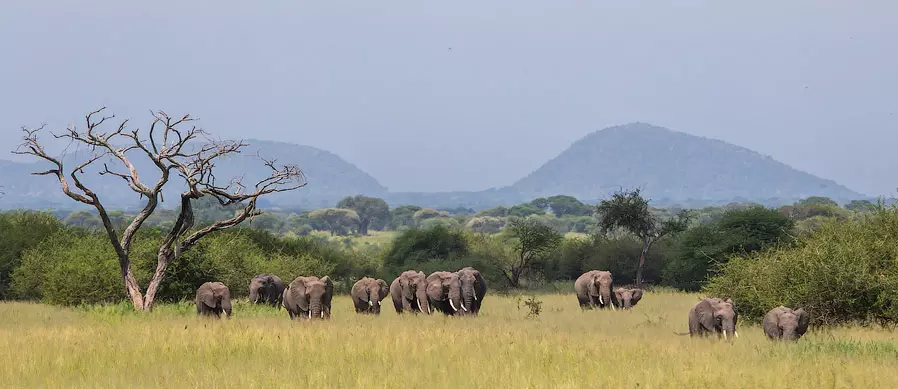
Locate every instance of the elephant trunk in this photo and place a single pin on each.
(374, 302)
(253, 295)
(315, 310)
(226, 307)
(423, 303)
(729, 330)
(469, 296)
(789, 333)
(605, 296)
(455, 299)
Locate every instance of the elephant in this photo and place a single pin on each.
(594, 290)
(213, 298)
(473, 289)
(367, 294)
(783, 323)
(266, 288)
(309, 297)
(713, 315)
(444, 292)
(627, 298)
(409, 292)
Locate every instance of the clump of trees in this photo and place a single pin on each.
(846, 271)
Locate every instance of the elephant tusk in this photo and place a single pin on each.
(421, 306)
(452, 305)
(322, 314)
(725, 335)
(736, 334)
(612, 307)
(601, 301)
(475, 296)
(378, 303)
(370, 303)
(463, 305)
(310, 314)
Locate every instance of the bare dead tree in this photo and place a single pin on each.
(165, 143)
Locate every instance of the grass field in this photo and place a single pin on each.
(46, 347)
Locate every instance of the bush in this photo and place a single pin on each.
(619, 254)
(843, 272)
(698, 250)
(20, 231)
(427, 250)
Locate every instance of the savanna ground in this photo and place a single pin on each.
(110, 347)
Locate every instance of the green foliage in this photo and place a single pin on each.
(861, 206)
(567, 205)
(486, 224)
(702, 248)
(499, 211)
(527, 241)
(338, 220)
(428, 250)
(20, 231)
(403, 216)
(618, 254)
(524, 210)
(369, 210)
(844, 271)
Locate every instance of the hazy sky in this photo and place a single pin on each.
(813, 83)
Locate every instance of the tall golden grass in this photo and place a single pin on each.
(47, 347)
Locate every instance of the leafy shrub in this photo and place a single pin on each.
(20, 231)
(843, 272)
(618, 254)
(698, 250)
(417, 248)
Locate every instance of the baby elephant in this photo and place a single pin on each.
(627, 298)
(367, 294)
(213, 298)
(783, 323)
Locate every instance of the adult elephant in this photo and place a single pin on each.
(713, 315)
(594, 289)
(309, 297)
(627, 298)
(213, 298)
(444, 292)
(473, 289)
(409, 292)
(783, 323)
(266, 288)
(367, 294)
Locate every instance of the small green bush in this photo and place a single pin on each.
(845, 271)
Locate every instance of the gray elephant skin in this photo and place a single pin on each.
(473, 289)
(594, 290)
(627, 298)
(444, 292)
(409, 292)
(266, 289)
(713, 315)
(783, 323)
(309, 298)
(367, 295)
(213, 298)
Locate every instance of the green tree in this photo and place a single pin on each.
(368, 208)
(742, 231)
(19, 232)
(403, 216)
(499, 211)
(338, 220)
(486, 224)
(860, 206)
(629, 211)
(568, 205)
(428, 250)
(524, 210)
(530, 241)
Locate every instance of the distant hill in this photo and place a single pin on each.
(329, 179)
(671, 166)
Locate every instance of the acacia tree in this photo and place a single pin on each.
(337, 219)
(531, 240)
(367, 208)
(628, 210)
(176, 148)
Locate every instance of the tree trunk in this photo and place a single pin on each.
(162, 261)
(132, 288)
(642, 255)
(515, 278)
(363, 227)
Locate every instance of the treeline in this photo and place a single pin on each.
(838, 261)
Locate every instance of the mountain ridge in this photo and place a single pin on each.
(671, 167)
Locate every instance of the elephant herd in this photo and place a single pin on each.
(595, 290)
(452, 293)
(462, 293)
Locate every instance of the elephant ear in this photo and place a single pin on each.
(384, 288)
(328, 289)
(704, 312)
(209, 296)
(298, 293)
(637, 295)
(592, 286)
(619, 295)
(771, 322)
(803, 320)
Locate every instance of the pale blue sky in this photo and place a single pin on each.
(813, 83)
